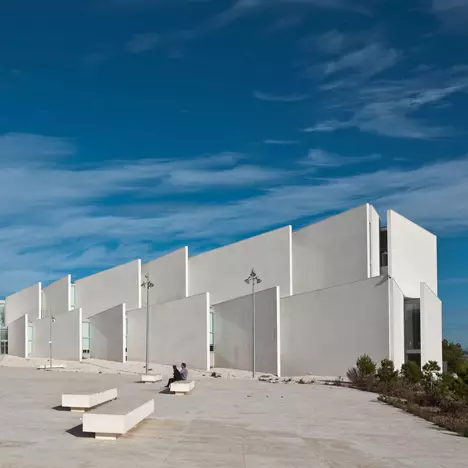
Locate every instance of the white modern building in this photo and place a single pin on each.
(330, 292)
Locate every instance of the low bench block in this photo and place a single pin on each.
(182, 387)
(83, 402)
(150, 378)
(114, 420)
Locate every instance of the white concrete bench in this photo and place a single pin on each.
(83, 402)
(182, 387)
(150, 378)
(54, 366)
(115, 419)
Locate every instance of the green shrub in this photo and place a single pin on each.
(365, 366)
(386, 372)
(363, 375)
(411, 372)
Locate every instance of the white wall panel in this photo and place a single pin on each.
(18, 337)
(331, 252)
(107, 331)
(374, 242)
(397, 324)
(431, 326)
(169, 275)
(179, 332)
(109, 288)
(26, 301)
(323, 332)
(233, 332)
(412, 255)
(66, 336)
(56, 297)
(222, 271)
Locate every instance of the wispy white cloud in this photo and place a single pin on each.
(331, 42)
(392, 108)
(453, 14)
(280, 142)
(370, 60)
(142, 43)
(280, 98)
(320, 158)
(327, 126)
(64, 222)
(32, 147)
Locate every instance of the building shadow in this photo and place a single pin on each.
(60, 408)
(77, 431)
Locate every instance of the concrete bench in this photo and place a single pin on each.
(84, 402)
(182, 387)
(150, 378)
(54, 366)
(115, 419)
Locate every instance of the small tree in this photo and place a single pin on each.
(431, 375)
(454, 355)
(411, 372)
(366, 366)
(362, 376)
(387, 373)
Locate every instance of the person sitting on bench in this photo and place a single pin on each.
(184, 371)
(176, 377)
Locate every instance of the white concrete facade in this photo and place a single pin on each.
(109, 288)
(56, 297)
(169, 274)
(330, 291)
(431, 326)
(26, 301)
(233, 331)
(107, 337)
(412, 255)
(179, 332)
(323, 332)
(396, 323)
(65, 331)
(332, 252)
(18, 337)
(222, 271)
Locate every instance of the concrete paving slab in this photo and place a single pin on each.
(225, 423)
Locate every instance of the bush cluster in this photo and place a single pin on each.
(429, 393)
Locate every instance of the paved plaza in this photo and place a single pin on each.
(223, 423)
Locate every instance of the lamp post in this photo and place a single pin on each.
(51, 321)
(253, 279)
(147, 284)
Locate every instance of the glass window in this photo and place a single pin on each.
(30, 338)
(211, 330)
(85, 338)
(2, 314)
(412, 324)
(72, 296)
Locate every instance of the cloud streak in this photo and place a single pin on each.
(73, 218)
(320, 158)
(140, 43)
(280, 98)
(392, 108)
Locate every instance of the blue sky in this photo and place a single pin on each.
(131, 127)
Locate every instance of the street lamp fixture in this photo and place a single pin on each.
(52, 320)
(147, 285)
(253, 279)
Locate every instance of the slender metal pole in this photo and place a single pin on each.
(253, 330)
(147, 320)
(50, 343)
